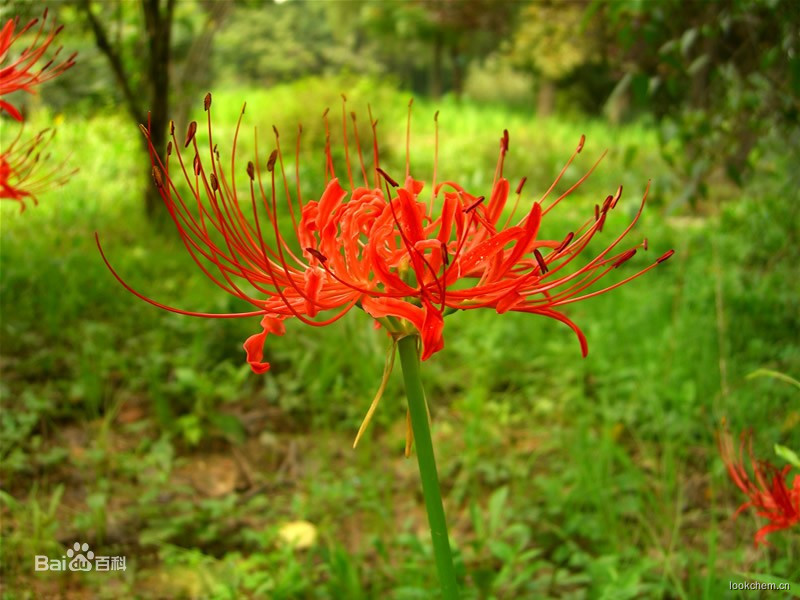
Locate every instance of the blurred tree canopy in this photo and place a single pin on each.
(137, 41)
(426, 44)
(554, 41)
(150, 57)
(721, 78)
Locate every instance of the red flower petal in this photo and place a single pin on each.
(254, 345)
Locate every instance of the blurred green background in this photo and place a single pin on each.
(145, 434)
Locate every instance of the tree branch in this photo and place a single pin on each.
(101, 39)
(197, 59)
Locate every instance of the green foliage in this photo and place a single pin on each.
(143, 432)
(722, 77)
(546, 36)
(284, 42)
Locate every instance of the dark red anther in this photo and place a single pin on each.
(207, 102)
(445, 255)
(504, 141)
(540, 259)
(317, 254)
(436, 116)
(190, 133)
(410, 102)
(251, 170)
(601, 223)
(171, 127)
(353, 116)
(169, 148)
(196, 164)
(299, 128)
(344, 98)
(475, 204)
(157, 176)
(275, 130)
(565, 243)
(215, 150)
(271, 162)
(214, 183)
(596, 213)
(325, 114)
(626, 256)
(385, 175)
(244, 107)
(521, 185)
(580, 144)
(644, 243)
(665, 256)
(607, 203)
(617, 196)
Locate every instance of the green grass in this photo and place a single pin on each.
(144, 433)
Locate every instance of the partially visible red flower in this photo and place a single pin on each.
(767, 492)
(22, 72)
(26, 169)
(375, 243)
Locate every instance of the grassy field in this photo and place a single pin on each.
(144, 433)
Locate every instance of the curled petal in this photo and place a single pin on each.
(497, 201)
(394, 307)
(331, 198)
(313, 285)
(254, 345)
(428, 321)
(432, 328)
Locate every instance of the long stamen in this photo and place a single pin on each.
(358, 147)
(271, 271)
(344, 135)
(661, 259)
(575, 186)
(376, 158)
(498, 170)
(297, 167)
(435, 157)
(233, 152)
(189, 313)
(408, 139)
(329, 170)
(283, 176)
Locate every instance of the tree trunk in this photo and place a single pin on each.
(617, 107)
(458, 70)
(195, 73)
(155, 108)
(436, 67)
(547, 98)
(159, 28)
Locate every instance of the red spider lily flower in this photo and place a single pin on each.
(769, 493)
(21, 73)
(371, 242)
(26, 169)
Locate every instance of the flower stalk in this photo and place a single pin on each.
(409, 360)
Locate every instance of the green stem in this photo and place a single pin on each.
(409, 359)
